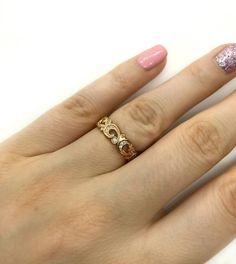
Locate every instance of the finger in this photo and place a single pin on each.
(201, 226)
(179, 158)
(146, 118)
(77, 115)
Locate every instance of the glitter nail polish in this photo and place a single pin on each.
(226, 59)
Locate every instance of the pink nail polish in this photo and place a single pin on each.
(152, 57)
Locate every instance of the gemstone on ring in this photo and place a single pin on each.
(114, 140)
(112, 132)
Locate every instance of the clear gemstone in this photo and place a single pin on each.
(114, 140)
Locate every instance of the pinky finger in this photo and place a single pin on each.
(203, 225)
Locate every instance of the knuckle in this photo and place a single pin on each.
(204, 140)
(226, 191)
(200, 77)
(81, 106)
(119, 78)
(148, 115)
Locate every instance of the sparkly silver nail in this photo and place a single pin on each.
(226, 59)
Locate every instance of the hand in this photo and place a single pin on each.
(68, 196)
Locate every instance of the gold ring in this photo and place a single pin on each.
(112, 132)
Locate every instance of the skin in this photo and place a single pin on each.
(67, 195)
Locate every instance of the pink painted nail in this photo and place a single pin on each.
(152, 57)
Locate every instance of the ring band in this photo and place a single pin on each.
(112, 132)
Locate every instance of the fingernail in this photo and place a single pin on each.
(152, 57)
(226, 59)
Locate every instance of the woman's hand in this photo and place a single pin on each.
(68, 196)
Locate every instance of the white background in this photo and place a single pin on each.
(51, 48)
